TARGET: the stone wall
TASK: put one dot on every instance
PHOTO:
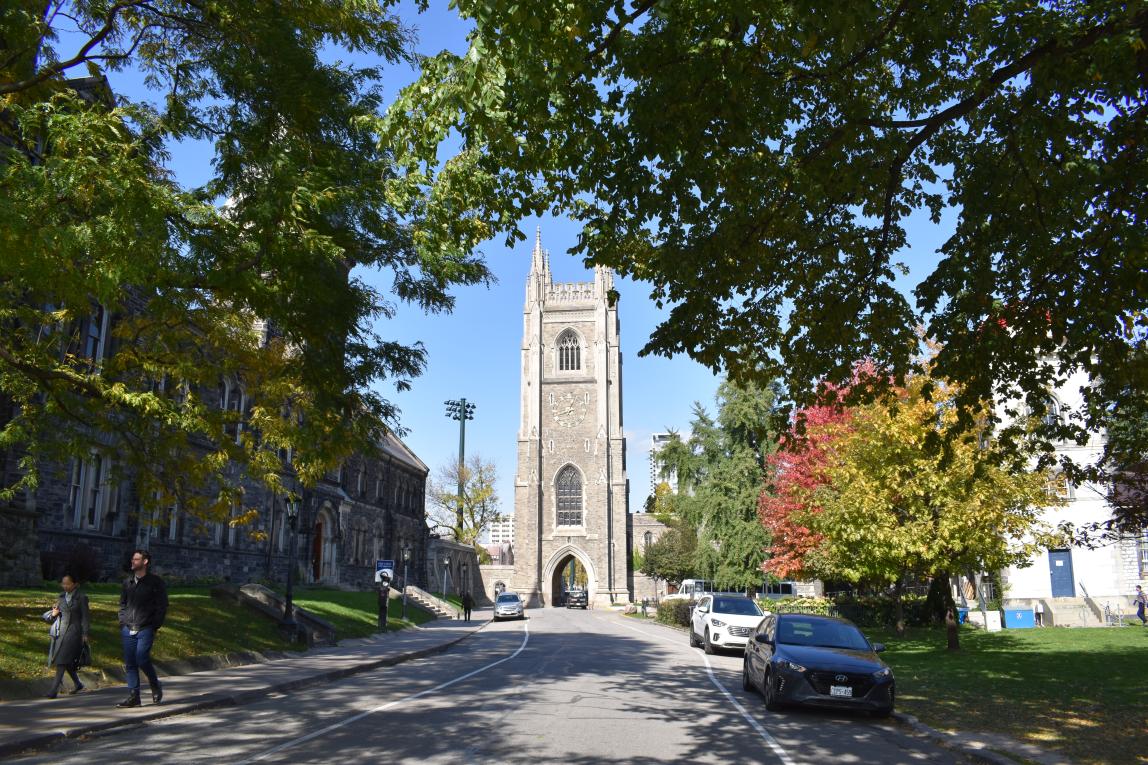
(19, 555)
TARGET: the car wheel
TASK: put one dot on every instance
(694, 642)
(769, 690)
(883, 712)
(746, 682)
(708, 645)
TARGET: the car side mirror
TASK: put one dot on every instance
(878, 647)
(763, 638)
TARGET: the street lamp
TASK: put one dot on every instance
(462, 411)
(445, 576)
(289, 625)
(406, 560)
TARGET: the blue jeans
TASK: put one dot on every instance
(137, 656)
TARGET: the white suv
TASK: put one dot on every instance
(723, 621)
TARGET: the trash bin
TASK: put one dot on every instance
(962, 615)
(1019, 619)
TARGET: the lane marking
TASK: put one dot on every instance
(355, 718)
(757, 726)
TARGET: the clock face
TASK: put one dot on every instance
(569, 409)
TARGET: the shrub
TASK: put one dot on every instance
(821, 606)
(877, 610)
(674, 612)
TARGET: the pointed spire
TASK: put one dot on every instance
(537, 259)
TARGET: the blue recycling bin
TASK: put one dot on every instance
(962, 615)
(1019, 619)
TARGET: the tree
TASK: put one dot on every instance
(671, 556)
(757, 164)
(248, 282)
(723, 468)
(894, 505)
(479, 506)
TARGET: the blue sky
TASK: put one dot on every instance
(475, 352)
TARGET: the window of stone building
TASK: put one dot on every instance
(1059, 487)
(90, 494)
(647, 540)
(1142, 553)
(361, 481)
(569, 485)
(232, 528)
(569, 351)
(233, 399)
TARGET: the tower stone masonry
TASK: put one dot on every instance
(570, 489)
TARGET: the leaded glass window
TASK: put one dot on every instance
(569, 497)
(569, 352)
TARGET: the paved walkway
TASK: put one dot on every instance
(38, 723)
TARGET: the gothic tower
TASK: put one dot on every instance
(570, 491)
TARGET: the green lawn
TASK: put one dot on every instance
(197, 625)
(1081, 691)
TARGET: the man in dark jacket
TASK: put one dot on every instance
(143, 606)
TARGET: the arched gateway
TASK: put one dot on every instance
(570, 492)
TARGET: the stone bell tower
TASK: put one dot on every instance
(570, 491)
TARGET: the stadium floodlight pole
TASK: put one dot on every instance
(461, 410)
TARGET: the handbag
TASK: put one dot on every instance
(85, 657)
(54, 627)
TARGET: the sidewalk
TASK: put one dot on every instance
(39, 723)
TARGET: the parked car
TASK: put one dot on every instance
(723, 621)
(509, 606)
(577, 599)
(690, 589)
(817, 660)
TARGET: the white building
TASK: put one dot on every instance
(1076, 584)
(658, 442)
(499, 532)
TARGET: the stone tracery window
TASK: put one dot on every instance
(569, 484)
(569, 352)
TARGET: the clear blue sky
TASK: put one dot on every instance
(475, 352)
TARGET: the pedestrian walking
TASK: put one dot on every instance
(1141, 601)
(70, 619)
(467, 604)
(384, 601)
(143, 607)
(1038, 613)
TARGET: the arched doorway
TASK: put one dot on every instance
(569, 568)
(323, 543)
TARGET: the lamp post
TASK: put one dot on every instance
(445, 576)
(465, 586)
(462, 411)
(289, 625)
(406, 560)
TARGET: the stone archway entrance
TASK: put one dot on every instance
(569, 569)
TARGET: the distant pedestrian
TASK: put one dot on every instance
(143, 608)
(467, 604)
(1038, 613)
(384, 601)
(1141, 601)
(70, 618)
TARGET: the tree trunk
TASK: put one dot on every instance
(899, 606)
(951, 631)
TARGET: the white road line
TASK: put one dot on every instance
(355, 718)
(757, 726)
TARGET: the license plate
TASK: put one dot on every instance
(841, 690)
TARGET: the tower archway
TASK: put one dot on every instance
(569, 566)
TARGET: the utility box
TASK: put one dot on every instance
(1019, 619)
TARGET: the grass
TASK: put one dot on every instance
(1080, 691)
(197, 625)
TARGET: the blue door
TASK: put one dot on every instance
(1060, 572)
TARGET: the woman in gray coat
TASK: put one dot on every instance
(71, 610)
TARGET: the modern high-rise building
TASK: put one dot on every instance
(658, 442)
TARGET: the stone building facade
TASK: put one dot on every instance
(570, 491)
(644, 529)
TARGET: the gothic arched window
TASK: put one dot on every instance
(569, 497)
(647, 540)
(569, 352)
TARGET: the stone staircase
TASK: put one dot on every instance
(437, 606)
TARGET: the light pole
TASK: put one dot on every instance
(445, 576)
(462, 411)
(406, 560)
(289, 625)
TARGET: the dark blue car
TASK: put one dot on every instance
(819, 661)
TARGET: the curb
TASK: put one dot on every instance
(223, 699)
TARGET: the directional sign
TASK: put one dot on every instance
(384, 568)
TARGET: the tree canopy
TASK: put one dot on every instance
(757, 162)
(463, 517)
(247, 282)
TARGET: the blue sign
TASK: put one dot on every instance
(384, 568)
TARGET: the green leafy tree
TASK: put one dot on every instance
(479, 506)
(252, 277)
(671, 556)
(757, 164)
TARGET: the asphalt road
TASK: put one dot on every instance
(561, 687)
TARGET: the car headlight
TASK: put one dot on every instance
(717, 622)
(883, 674)
(792, 666)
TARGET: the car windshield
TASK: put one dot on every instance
(821, 634)
(737, 606)
(507, 598)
